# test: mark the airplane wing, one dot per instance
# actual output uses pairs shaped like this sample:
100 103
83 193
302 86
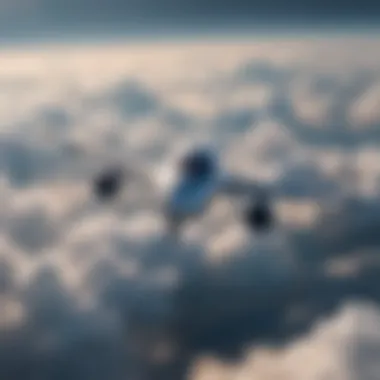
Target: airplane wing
243 187
258 213
114 178
148 180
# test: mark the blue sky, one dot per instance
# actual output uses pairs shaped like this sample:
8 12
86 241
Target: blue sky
57 18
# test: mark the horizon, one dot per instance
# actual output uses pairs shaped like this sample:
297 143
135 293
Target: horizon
214 35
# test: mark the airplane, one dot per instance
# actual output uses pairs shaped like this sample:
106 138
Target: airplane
200 180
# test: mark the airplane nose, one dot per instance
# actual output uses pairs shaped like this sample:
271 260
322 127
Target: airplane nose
259 216
108 183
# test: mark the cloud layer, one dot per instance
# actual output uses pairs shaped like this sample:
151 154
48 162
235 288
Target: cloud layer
90 291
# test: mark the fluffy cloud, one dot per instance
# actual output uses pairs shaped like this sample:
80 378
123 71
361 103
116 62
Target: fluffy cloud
89 291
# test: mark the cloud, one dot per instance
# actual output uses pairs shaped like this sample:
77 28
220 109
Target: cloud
94 292
323 117
130 98
33 230
23 162
55 116
6 276
323 353
305 180
235 120
262 72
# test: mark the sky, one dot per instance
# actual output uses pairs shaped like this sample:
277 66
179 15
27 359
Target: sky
24 19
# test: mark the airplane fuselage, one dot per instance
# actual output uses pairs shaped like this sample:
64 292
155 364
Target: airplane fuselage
191 197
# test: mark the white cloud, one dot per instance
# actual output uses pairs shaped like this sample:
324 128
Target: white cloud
87 283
